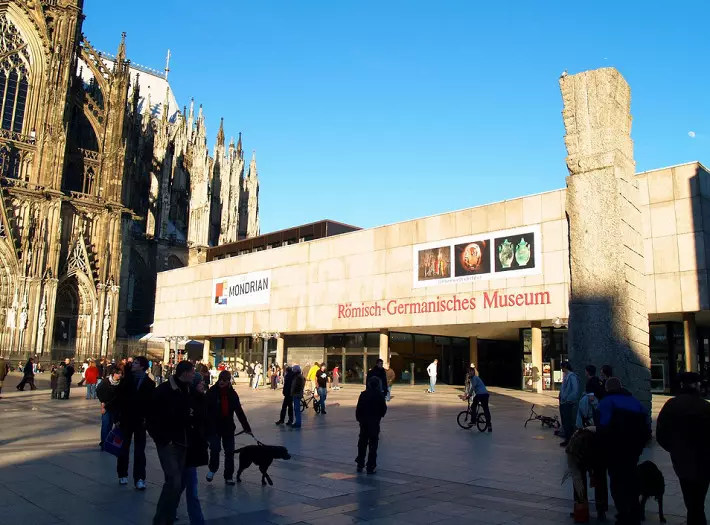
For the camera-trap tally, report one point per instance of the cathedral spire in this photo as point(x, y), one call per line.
point(147, 110)
point(166, 104)
point(220, 133)
point(191, 117)
point(252, 164)
point(136, 95)
point(240, 152)
point(121, 55)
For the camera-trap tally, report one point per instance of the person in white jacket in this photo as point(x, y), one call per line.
point(431, 370)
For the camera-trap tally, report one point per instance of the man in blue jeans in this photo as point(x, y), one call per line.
point(106, 392)
point(431, 370)
point(297, 386)
point(322, 382)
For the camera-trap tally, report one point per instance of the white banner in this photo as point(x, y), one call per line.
point(494, 255)
point(242, 290)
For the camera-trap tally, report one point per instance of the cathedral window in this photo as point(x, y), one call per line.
point(14, 84)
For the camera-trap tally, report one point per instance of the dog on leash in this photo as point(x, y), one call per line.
point(262, 456)
point(651, 485)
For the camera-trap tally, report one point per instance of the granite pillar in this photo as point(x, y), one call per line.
point(206, 347)
point(385, 345)
point(536, 329)
point(690, 340)
point(608, 319)
point(280, 352)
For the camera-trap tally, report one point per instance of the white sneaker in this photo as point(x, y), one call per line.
point(210, 477)
point(123, 481)
point(140, 485)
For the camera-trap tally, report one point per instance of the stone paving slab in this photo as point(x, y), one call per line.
point(430, 470)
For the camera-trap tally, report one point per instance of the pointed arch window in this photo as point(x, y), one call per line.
point(14, 77)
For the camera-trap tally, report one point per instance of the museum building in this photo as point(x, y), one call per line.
point(489, 285)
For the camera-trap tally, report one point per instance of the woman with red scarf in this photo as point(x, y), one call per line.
point(222, 404)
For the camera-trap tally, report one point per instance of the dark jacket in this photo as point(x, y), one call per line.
point(216, 422)
point(134, 401)
point(595, 386)
point(683, 429)
point(371, 407)
point(298, 383)
point(157, 370)
point(28, 369)
point(623, 425)
point(4, 369)
point(196, 433)
point(288, 381)
point(107, 393)
point(69, 373)
point(169, 415)
point(62, 384)
point(381, 374)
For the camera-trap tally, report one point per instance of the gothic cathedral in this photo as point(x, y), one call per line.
point(102, 186)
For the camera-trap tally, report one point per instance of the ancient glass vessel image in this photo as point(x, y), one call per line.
point(505, 254)
point(522, 252)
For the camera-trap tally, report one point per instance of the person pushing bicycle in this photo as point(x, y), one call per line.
point(478, 390)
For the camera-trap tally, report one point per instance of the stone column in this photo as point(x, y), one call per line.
point(280, 351)
point(536, 329)
point(690, 339)
point(166, 352)
point(473, 350)
point(385, 345)
point(608, 319)
point(207, 345)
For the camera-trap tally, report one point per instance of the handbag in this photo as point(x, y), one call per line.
point(114, 442)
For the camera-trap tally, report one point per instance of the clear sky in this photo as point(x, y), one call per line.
point(376, 111)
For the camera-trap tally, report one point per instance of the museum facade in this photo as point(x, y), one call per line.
point(489, 284)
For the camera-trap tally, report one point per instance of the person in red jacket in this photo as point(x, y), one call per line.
point(91, 377)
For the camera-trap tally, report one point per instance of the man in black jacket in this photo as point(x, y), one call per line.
point(68, 373)
point(107, 392)
point(28, 376)
point(222, 404)
point(288, 400)
point(379, 372)
point(169, 421)
point(133, 397)
point(371, 408)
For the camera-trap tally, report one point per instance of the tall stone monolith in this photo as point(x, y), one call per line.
point(608, 319)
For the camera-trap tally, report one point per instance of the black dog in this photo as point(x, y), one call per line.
point(262, 456)
point(651, 485)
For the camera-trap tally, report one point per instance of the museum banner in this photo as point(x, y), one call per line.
point(501, 254)
point(248, 289)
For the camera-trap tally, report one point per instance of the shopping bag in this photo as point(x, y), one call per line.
point(114, 442)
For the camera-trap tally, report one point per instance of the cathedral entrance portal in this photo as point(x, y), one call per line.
point(72, 320)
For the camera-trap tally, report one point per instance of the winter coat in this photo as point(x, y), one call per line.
point(106, 392)
point(288, 381)
point(371, 407)
point(623, 425)
point(217, 424)
point(683, 429)
point(595, 386)
point(4, 369)
point(379, 373)
point(297, 385)
point(569, 392)
point(391, 376)
point(169, 418)
point(196, 435)
point(28, 369)
point(134, 402)
point(62, 384)
point(91, 376)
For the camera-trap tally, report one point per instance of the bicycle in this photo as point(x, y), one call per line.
point(467, 418)
point(308, 398)
point(546, 421)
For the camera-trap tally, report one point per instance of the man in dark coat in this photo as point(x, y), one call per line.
point(379, 372)
point(288, 400)
point(371, 408)
point(169, 420)
point(222, 404)
point(107, 393)
point(623, 431)
point(28, 376)
point(683, 429)
point(68, 373)
point(134, 397)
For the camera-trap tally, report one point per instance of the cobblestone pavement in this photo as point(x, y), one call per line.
point(430, 470)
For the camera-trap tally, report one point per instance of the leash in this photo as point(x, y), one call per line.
point(252, 435)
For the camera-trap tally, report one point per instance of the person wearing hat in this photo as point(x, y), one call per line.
point(623, 430)
point(222, 405)
point(683, 429)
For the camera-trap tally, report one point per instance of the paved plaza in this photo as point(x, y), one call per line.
point(430, 470)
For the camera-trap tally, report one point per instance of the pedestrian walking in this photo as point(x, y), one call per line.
point(258, 370)
point(157, 371)
point(298, 384)
point(287, 404)
point(311, 376)
point(222, 405)
point(336, 378)
point(568, 399)
point(683, 429)
point(91, 377)
point(4, 371)
point(623, 430)
point(135, 395)
point(169, 421)
point(432, 371)
point(107, 393)
point(28, 376)
point(196, 454)
point(585, 459)
point(54, 381)
point(322, 387)
point(391, 376)
point(378, 371)
point(371, 408)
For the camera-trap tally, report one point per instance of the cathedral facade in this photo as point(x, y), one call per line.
point(104, 183)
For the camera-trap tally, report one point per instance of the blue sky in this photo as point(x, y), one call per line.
point(371, 112)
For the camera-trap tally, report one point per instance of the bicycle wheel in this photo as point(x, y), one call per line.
point(304, 405)
point(464, 420)
point(481, 423)
point(316, 406)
